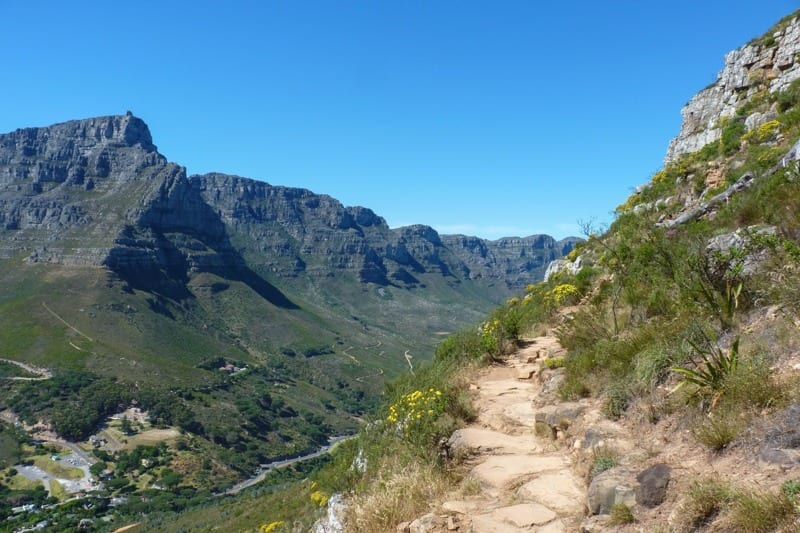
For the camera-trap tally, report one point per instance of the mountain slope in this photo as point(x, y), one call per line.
point(118, 266)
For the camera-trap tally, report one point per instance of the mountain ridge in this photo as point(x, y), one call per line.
point(122, 270)
point(39, 163)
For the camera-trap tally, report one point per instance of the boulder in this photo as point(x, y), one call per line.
point(608, 489)
point(653, 482)
point(423, 524)
point(757, 119)
point(560, 416)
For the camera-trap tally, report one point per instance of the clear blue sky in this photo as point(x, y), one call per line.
point(491, 118)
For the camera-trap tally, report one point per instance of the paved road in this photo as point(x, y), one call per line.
point(41, 373)
point(265, 469)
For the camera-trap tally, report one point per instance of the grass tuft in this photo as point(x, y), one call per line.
point(717, 432)
point(402, 491)
point(706, 499)
point(761, 512)
point(621, 514)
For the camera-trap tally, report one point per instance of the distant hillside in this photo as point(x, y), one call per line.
point(117, 265)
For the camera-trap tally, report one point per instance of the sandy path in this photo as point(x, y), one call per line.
point(527, 484)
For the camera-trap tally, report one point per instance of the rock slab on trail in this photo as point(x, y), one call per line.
point(526, 482)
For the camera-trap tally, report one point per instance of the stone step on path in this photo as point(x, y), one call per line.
point(526, 483)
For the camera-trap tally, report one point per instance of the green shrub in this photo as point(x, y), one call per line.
point(730, 138)
point(621, 514)
point(604, 459)
point(717, 431)
point(751, 385)
point(759, 512)
point(651, 365)
point(554, 362)
point(710, 373)
point(789, 98)
point(461, 346)
point(573, 388)
point(791, 489)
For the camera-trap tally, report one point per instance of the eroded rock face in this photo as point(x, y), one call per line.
point(782, 443)
point(97, 192)
point(770, 62)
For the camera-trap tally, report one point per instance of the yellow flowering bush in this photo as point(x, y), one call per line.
point(563, 292)
point(764, 132)
point(416, 411)
point(490, 335)
point(661, 176)
point(271, 527)
point(573, 254)
point(319, 497)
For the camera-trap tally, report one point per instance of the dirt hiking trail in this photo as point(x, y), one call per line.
point(526, 482)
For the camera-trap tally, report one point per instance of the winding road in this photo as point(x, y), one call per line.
point(41, 373)
point(265, 469)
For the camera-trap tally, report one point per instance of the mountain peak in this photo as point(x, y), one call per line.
point(127, 130)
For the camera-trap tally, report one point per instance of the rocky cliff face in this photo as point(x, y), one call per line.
point(291, 231)
point(770, 63)
point(97, 192)
point(510, 259)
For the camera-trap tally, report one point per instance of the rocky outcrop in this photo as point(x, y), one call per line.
point(770, 62)
point(563, 265)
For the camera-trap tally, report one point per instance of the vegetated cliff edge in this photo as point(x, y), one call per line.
point(771, 63)
point(97, 192)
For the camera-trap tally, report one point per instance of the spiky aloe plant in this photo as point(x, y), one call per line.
point(710, 373)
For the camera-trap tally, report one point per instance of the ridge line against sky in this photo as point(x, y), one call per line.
point(492, 119)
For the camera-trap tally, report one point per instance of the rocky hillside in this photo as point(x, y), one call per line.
point(769, 63)
point(651, 383)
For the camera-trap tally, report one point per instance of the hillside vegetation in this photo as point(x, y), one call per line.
point(249, 323)
point(680, 322)
point(680, 325)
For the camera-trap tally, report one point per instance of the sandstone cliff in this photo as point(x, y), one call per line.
point(97, 192)
point(769, 63)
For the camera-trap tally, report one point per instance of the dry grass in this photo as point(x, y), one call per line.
point(759, 512)
point(151, 437)
point(56, 469)
point(706, 500)
point(58, 491)
point(401, 492)
point(19, 482)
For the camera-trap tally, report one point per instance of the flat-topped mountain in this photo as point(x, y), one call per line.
point(116, 263)
point(96, 192)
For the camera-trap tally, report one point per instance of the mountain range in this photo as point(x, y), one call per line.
point(116, 263)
